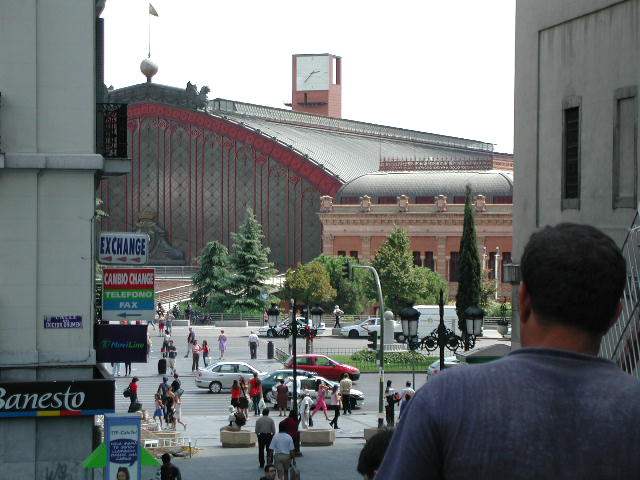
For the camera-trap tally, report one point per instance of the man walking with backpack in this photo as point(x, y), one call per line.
point(191, 337)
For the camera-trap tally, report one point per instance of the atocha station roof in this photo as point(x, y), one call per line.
point(496, 186)
point(346, 149)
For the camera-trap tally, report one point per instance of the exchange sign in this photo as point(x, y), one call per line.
point(128, 294)
point(123, 248)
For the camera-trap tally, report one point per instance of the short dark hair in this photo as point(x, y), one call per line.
point(575, 275)
point(373, 452)
point(268, 466)
point(265, 411)
point(166, 458)
point(282, 427)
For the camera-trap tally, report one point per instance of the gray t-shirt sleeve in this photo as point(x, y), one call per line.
point(415, 449)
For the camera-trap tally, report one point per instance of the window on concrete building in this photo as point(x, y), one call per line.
point(625, 172)
point(416, 259)
point(453, 267)
point(506, 259)
point(387, 200)
point(342, 253)
point(429, 262)
point(459, 199)
point(353, 254)
point(571, 154)
point(424, 200)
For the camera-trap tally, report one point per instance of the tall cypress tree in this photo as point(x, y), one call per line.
point(469, 268)
point(212, 279)
point(250, 266)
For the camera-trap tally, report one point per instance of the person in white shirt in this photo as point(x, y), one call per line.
point(282, 451)
point(407, 389)
point(253, 345)
point(305, 409)
point(338, 313)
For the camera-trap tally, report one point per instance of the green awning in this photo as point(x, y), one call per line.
point(98, 458)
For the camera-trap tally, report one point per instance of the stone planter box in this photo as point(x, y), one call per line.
point(317, 437)
point(238, 438)
point(371, 431)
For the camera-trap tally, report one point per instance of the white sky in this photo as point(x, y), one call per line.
point(440, 66)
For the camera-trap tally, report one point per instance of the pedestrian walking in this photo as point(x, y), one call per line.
point(345, 392)
point(404, 404)
point(407, 389)
point(291, 427)
point(558, 400)
point(161, 331)
point(187, 311)
point(115, 366)
point(334, 404)
point(165, 343)
point(265, 430)
point(283, 451)
point(337, 313)
point(163, 391)
point(172, 353)
point(191, 336)
point(149, 346)
point(321, 403)
point(391, 397)
point(270, 472)
point(195, 349)
point(254, 341)
point(177, 411)
point(243, 401)
point(168, 323)
point(134, 406)
point(236, 393)
point(168, 471)
point(158, 411)
point(127, 369)
point(222, 343)
point(305, 409)
point(205, 352)
point(282, 397)
point(255, 392)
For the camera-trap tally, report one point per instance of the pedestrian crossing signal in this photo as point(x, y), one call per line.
point(372, 338)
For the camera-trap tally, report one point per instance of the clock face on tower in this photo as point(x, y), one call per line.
point(312, 72)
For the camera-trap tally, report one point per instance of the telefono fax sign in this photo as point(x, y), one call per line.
point(128, 294)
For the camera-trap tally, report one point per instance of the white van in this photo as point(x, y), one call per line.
point(430, 319)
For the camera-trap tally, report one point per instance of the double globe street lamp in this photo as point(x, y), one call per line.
point(409, 320)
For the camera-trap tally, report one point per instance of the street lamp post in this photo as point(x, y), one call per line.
point(272, 316)
point(409, 320)
point(294, 337)
point(443, 337)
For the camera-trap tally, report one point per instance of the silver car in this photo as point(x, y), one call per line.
point(221, 375)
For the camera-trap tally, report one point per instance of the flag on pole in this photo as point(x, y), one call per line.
point(152, 11)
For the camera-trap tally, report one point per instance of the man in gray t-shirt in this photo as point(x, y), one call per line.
point(552, 409)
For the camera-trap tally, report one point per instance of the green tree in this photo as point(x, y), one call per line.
point(469, 276)
point(250, 266)
point(403, 282)
point(212, 280)
point(351, 295)
point(310, 284)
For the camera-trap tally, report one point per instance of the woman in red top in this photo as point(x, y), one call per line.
point(205, 352)
point(255, 392)
point(133, 395)
point(236, 393)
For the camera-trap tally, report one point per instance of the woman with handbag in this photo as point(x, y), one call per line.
point(205, 352)
point(236, 393)
point(243, 401)
point(134, 406)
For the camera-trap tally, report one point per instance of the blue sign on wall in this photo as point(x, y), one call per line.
point(122, 437)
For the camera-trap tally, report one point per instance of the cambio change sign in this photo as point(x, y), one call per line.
point(128, 294)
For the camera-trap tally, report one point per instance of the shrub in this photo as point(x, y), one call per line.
point(403, 358)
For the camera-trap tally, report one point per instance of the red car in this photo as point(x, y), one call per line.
point(324, 366)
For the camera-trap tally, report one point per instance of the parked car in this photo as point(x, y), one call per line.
point(362, 329)
point(323, 365)
point(266, 331)
point(221, 375)
point(448, 363)
point(272, 379)
point(309, 384)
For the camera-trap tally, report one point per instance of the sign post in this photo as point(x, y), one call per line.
point(128, 294)
point(122, 437)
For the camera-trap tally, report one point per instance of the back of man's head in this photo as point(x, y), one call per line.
point(575, 275)
point(282, 428)
point(166, 458)
point(373, 452)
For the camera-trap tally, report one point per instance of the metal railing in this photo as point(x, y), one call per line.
point(622, 343)
point(111, 130)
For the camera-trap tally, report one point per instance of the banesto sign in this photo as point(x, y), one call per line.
point(56, 398)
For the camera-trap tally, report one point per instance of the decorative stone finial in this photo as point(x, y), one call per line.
point(326, 204)
point(480, 203)
point(365, 203)
point(148, 69)
point(441, 203)
point(403, 203)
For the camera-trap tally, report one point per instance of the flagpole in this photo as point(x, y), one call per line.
point(149, 19)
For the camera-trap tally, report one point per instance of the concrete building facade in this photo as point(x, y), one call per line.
point(48, 170)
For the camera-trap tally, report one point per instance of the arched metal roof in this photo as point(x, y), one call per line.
point(490, 183)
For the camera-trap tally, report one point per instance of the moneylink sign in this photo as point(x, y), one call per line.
point(128, 294)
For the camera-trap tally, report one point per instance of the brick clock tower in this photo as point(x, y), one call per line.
point(317, 84)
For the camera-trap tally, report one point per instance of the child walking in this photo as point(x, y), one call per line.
point(159, 410)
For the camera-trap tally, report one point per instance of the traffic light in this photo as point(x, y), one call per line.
point(372, 338)
point(346, 269)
